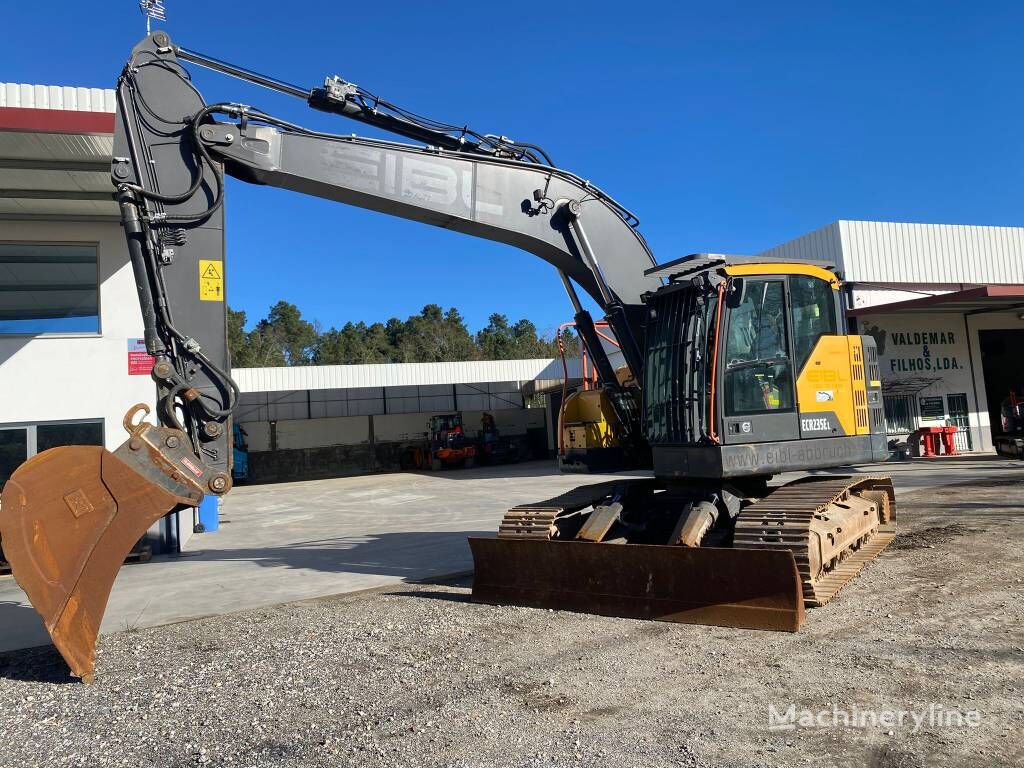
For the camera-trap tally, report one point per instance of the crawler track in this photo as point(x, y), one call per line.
point(782, 521)
point(829, 528)
point(537, 521)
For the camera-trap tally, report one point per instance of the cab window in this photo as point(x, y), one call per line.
point(758, 373)
point(814, 314)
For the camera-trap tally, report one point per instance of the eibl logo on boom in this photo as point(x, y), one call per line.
point(933, 716)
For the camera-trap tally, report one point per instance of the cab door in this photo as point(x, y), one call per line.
point(826, 362)
point(756, 363)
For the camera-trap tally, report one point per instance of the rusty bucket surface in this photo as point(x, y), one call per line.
point(748, 589)
point(68, 518)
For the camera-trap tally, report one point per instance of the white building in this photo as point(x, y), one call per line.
point(329, 420)
point(68, 314)
point(945, 305)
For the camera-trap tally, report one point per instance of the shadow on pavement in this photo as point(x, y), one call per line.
point(407, 554)
point(42, 663)
point(36, 665)
point(532, 468)
point(538, 468)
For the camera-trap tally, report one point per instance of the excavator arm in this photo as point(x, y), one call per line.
point(70, 515)
point(171, 154)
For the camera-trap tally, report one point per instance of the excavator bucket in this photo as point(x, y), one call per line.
point(68, 518)
point(750, 589)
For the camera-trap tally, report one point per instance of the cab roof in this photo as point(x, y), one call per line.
point(692, 265)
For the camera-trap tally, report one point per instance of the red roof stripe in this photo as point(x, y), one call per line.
point(55, 120)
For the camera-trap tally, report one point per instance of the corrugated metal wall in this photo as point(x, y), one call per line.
point(367, 401)
point(820, 245)
point(56, 97)
point(398, 374)
point(887, 252)
point(893, 253)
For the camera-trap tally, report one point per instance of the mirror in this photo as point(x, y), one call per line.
point(736, 292)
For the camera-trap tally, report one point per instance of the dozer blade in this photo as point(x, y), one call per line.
point(751, 589)
point(68, 518)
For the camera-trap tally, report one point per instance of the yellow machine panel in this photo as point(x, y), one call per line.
point(826, 382)
point(860, 390)
point(587, 421)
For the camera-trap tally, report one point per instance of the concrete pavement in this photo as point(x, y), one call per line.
point(293, 541)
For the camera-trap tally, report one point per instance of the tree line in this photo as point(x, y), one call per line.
point(435, 335)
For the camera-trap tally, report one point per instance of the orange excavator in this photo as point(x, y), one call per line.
point(741, 369)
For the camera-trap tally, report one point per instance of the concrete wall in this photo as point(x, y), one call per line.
point(318, 433)
point(293, 449)
point(77, 377)
point(396, 427)
point(334, 432)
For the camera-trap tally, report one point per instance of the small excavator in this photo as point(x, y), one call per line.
point(741, 369)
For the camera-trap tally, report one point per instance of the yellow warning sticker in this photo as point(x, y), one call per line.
point(211, 280)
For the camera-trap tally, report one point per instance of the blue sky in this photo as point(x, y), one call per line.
point(725, 126)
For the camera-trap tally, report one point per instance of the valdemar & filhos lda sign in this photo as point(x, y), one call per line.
point(912, 351)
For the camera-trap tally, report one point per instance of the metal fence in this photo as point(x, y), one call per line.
point(900, 414)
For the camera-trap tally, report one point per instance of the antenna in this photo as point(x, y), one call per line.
point(152, 9)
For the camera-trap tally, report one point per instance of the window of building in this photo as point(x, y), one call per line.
point(79, 433)
point(814, 314)
point(960, 416)
point(900, 414)
point(17, 444)
point(49, 288)
point(13, 451)
point(758, 375)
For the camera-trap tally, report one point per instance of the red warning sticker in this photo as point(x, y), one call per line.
point(140, 362)
point(194, 469)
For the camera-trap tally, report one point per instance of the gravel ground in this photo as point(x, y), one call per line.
point(418, 676)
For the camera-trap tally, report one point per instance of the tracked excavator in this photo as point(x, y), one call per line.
point(742, 369)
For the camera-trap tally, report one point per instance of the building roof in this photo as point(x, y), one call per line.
point(65, 98)
point(55, 148)
point(972, 301)
point(899, 254)
point(305, 377)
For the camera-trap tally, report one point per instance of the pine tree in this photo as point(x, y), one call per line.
point(434, 335)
